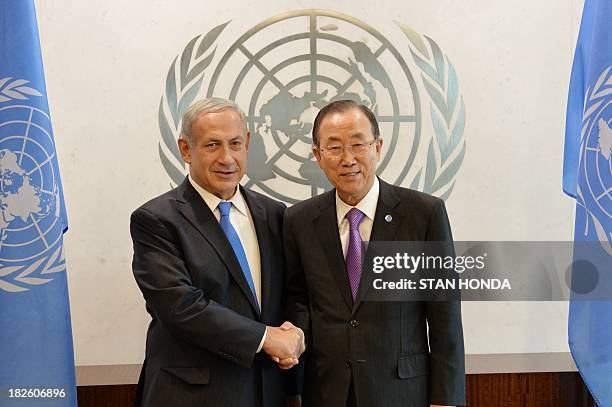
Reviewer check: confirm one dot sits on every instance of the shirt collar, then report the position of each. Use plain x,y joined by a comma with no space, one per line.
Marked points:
367,205
212,201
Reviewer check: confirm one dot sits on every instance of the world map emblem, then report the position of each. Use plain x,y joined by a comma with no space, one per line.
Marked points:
595,171
30,213
286,68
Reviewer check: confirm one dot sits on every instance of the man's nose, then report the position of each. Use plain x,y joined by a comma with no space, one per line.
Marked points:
225,156
348,157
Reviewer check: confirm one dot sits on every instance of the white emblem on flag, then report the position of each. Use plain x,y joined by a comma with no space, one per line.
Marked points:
30,222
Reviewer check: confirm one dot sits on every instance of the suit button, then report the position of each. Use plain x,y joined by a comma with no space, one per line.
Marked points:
347,364
354,323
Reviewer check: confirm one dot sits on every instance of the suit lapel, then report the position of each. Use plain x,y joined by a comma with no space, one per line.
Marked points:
260,219
382,230
326,226
194,209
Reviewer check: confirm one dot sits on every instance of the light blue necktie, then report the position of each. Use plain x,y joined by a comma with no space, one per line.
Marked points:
234,239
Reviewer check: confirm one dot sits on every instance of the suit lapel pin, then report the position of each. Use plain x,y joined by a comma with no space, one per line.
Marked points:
388,218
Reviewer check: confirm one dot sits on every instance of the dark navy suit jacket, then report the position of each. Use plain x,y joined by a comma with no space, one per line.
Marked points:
205,328
382,347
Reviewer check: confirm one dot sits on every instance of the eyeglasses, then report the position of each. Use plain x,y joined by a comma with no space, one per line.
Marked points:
357,149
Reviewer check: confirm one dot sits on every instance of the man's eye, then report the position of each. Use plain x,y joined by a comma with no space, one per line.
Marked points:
334,148
358,146
211,145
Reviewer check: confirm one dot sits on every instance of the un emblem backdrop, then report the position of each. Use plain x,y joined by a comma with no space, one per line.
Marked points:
284,69
471,109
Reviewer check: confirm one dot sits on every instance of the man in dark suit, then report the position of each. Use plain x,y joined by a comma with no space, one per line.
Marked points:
366,353
208,258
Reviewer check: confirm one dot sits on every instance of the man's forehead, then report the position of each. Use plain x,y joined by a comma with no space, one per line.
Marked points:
223,115
352,136
224,124
332,134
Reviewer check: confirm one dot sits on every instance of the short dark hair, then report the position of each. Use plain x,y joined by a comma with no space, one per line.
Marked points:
341,106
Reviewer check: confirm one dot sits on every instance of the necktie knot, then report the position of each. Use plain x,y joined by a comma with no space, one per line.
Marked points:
224,208
354,217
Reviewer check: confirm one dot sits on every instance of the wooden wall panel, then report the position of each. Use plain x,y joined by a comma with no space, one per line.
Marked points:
107,396
564,389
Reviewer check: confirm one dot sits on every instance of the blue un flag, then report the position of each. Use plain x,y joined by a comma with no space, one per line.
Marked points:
36,356
587,176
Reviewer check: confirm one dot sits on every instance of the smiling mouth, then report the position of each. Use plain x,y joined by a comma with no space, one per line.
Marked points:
225,173
351,174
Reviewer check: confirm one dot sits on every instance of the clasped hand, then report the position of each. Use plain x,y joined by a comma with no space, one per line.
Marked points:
284,344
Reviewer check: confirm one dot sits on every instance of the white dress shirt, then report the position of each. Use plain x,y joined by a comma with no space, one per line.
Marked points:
242,221
367,205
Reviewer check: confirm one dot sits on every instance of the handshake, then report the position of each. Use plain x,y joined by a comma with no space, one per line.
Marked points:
284,344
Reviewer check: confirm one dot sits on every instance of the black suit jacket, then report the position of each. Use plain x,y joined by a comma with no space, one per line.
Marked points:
382,347
205,329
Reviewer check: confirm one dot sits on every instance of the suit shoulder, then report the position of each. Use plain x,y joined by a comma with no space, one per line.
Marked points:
416,204
417,198
309,207
159,204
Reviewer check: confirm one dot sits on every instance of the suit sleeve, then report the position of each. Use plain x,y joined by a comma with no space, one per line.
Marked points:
296,290
163,278
447,357
296,303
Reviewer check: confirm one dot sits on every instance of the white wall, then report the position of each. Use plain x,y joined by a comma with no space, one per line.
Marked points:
106,64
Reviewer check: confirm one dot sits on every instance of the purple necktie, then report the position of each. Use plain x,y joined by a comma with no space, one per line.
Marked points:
353,253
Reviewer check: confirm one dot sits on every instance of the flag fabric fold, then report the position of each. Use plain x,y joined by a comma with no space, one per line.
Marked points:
36,350
587,177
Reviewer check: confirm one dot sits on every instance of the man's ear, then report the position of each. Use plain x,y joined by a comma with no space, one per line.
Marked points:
185,150
317,153
247,139
378,145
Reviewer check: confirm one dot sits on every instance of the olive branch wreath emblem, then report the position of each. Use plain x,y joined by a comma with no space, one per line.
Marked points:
446,150
16,89
17,278
180,93
595,99
32,274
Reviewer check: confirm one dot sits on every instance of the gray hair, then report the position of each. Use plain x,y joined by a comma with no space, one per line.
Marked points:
208,105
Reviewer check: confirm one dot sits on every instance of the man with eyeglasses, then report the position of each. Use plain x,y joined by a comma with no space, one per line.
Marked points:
363,353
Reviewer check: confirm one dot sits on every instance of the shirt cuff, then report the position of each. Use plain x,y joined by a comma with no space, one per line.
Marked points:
263,339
